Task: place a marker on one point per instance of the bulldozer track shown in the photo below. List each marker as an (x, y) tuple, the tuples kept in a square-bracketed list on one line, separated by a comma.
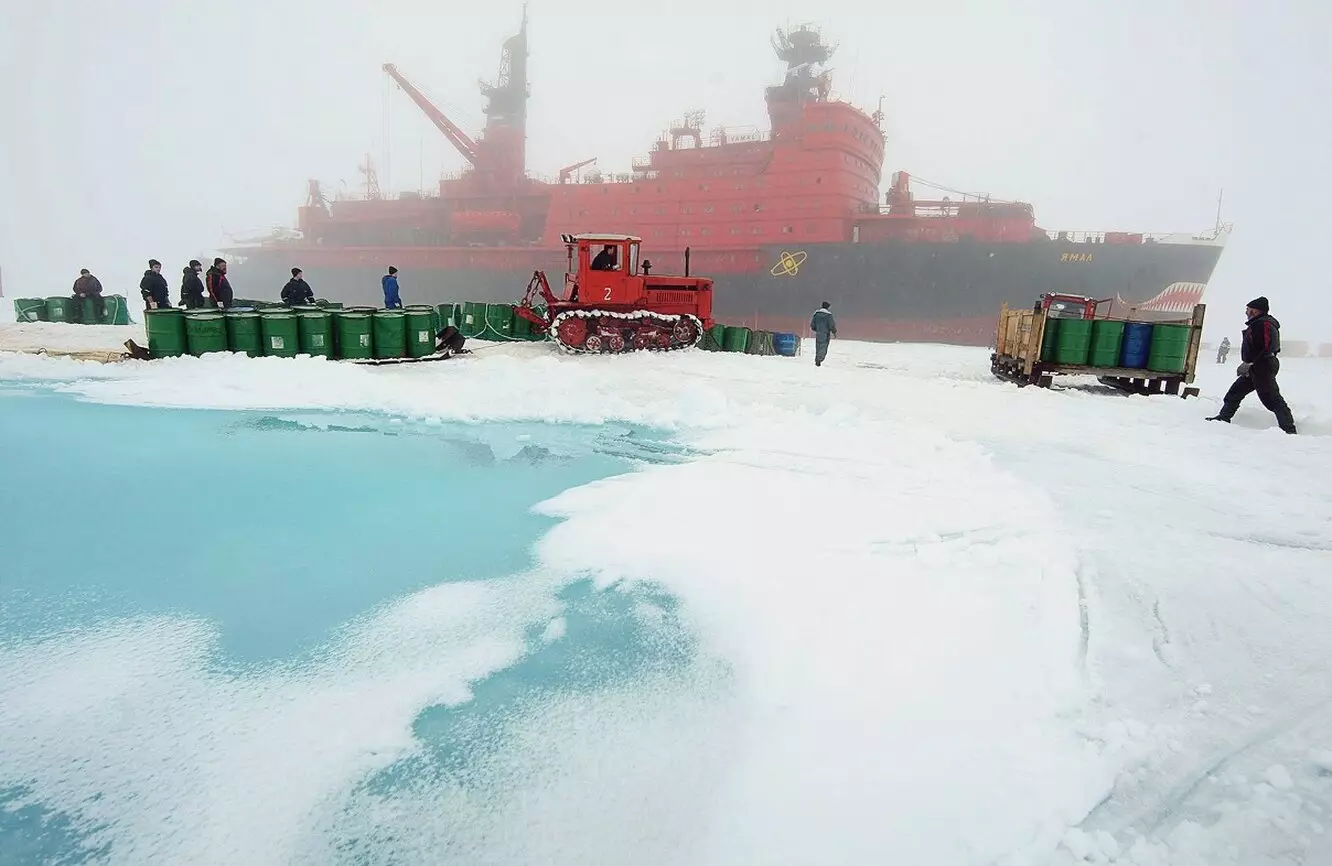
[(598, 344)]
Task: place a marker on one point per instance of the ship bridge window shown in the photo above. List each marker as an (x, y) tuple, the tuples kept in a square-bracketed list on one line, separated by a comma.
[(707, 208), (786, 230)]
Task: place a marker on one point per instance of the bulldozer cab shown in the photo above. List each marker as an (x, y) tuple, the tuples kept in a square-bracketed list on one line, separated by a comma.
[(605, 270)]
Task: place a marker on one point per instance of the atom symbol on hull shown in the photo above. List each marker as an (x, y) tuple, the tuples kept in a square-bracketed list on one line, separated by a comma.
[(788, 264)]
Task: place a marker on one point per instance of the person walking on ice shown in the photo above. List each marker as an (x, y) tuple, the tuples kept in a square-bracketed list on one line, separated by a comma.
[(1223, 350), (824, 327), (1259, 347)]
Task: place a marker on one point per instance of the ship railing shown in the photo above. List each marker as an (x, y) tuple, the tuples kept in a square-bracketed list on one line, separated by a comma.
[(1216, 236)]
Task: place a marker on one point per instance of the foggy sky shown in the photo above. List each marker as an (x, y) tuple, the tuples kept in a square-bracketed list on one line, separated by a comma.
[(147, 128)]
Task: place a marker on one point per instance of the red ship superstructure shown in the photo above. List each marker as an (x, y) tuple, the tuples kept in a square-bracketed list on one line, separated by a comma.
[(783, 219)]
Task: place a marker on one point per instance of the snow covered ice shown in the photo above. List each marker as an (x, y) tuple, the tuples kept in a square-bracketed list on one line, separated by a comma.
[(935, 619)]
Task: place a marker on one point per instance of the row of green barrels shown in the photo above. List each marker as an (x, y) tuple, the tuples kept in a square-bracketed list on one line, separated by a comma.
[(1160, 347), (476, 320), (733, 338), (63, 309), (328, 331)]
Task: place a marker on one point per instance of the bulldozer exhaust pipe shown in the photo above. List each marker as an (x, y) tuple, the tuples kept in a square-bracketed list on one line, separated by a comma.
[(686, 261)]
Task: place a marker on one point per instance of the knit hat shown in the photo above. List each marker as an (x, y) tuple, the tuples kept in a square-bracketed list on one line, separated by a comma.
[(194, 263), (219, 261), (154, 263), (83, 270), (392, 270), (1259, 303), (295, 272)]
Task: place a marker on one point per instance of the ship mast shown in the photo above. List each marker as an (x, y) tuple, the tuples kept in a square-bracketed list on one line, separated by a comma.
[(803, 50)]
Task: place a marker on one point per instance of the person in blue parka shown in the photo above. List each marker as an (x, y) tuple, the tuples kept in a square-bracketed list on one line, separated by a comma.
[(390, 283)]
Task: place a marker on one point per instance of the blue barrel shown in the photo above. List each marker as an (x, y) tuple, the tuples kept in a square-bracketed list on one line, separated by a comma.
[(1137, 345), (785, 344)]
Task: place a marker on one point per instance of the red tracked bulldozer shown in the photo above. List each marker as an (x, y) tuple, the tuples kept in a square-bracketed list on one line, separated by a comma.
[(612, 303)]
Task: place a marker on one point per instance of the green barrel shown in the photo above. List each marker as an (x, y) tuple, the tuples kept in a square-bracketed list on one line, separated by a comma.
[(280, 332), (88, 312), (116, 311), (166, 332), (1073, 342), (57, 309), (499, 322), (1170, 348), (1048, 340), (205, 331), (448, 316), (522, 329), (534, 333), (355, 338), (760, 343), (714, 338), (244, 333), (420, 330), (1107, 338), (390, 329), (736, 340), (428, 309), (328, 305), (30, 309), (473, 322), (315, 330)]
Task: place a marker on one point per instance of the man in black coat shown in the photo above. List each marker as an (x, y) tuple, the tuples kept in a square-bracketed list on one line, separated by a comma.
[(87, 286), (156, 293), (191, 286), (1259, 348), (219, 289), (297, 291)]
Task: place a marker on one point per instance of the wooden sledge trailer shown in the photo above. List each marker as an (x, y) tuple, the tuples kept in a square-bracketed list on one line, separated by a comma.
[(1021, 338)]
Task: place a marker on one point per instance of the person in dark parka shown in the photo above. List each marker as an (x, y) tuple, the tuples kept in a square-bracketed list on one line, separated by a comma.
[(156, 293), (1259, 347), (87, 286), (191, 286), (824, 327), (297, 291), (219, 289)]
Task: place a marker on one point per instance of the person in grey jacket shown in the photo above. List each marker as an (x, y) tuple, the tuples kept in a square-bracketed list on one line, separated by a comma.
[(824, 327)]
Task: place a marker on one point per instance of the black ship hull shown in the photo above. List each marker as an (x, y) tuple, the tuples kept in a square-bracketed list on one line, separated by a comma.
[(883, 291)]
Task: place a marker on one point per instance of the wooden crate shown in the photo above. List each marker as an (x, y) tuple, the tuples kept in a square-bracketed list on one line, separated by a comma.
[(1017, 357)]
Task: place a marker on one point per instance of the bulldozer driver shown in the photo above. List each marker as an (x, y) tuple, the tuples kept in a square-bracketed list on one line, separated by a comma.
[(605, 260)]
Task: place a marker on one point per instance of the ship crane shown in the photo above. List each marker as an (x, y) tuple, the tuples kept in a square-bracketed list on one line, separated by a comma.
[(456, 136), (567, 172)]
